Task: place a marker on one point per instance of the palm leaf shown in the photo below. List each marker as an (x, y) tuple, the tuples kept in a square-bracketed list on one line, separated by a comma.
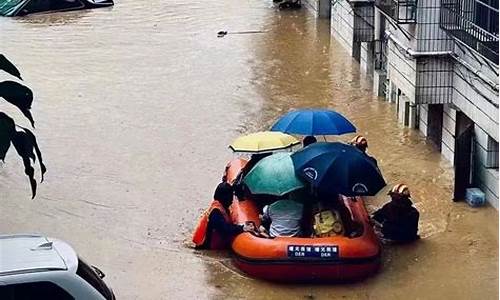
[(9, 67), (21, 143), (18, 95), (7, 131)]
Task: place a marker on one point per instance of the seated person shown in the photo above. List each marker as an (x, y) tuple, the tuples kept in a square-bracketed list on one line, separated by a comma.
[(398, 219), (215, 229), (283, 218), (326, 221), (340, 214)]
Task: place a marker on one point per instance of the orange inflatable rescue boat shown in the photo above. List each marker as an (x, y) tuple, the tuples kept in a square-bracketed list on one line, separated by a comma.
[(288, 259)]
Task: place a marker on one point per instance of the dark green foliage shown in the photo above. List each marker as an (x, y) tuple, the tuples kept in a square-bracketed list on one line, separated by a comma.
[(7, 131), (8, 67), (23, 139), (18, 95)]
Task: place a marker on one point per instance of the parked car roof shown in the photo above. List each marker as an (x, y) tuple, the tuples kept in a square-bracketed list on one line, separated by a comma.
[(24, 253), (11, 8)]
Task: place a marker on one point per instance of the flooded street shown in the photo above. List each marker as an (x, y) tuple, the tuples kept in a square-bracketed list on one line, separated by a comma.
[(135, 106)]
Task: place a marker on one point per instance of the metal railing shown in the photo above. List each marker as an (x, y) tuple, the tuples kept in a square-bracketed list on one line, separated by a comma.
[(380, 55), (363, 21), (474, 23), (401, 11)]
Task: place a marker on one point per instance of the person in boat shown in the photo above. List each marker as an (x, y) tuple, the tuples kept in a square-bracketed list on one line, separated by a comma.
[(290, 4), (398, 218), (308, 140), (215, 229), (332, 213), (239, 187), (361, 143), (282, 218)]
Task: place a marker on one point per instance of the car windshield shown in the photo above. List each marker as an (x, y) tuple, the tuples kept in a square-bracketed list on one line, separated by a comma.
[(90, 275), (7, 5)]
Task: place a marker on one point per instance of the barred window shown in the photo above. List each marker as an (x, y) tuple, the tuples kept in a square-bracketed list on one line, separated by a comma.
[(492, 154)]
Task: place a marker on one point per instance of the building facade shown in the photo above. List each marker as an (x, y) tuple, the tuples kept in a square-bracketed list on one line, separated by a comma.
[(437, 61)]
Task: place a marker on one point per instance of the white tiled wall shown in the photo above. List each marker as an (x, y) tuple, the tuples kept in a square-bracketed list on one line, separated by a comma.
[(342, 23)]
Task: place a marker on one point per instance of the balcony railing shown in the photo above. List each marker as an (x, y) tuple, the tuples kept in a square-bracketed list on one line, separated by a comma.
[(401, 11), (363, 21), (380, 51), (473, 22)]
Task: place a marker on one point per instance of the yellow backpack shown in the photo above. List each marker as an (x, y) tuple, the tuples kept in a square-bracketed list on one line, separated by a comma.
[(327, 223)]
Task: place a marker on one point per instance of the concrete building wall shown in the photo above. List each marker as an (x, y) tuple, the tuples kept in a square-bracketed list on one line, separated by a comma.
[(476, 90), (424, 119), (401, 70), (448, 133), (312, 5), (476, 95), (366, 57), (429, 37), (485, 176), (420, 70), (342, 24)]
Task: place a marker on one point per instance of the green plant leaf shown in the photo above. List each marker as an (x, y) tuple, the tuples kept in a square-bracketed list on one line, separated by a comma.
[(9, 67), (31, 144), (7, 131), (21, 143), (18, 95)]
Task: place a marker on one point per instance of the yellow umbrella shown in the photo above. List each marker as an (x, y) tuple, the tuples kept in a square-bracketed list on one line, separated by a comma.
[(264, 141)]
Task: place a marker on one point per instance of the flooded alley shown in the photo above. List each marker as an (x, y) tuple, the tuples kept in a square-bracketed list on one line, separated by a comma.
[(135, 107)]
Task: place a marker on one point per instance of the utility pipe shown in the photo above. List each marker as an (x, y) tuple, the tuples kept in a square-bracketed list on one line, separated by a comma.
[(412, 52), (468, 66)]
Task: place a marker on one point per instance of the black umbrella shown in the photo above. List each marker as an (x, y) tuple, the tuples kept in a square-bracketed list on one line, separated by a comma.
[(337, 168)]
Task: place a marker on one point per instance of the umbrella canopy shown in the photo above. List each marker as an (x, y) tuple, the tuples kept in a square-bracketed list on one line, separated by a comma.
[(314, 122), (338, 168), (273, 175), (264, 141)]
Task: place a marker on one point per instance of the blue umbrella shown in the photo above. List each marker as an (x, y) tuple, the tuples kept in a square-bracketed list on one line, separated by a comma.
[(333, 168), (314, 122)]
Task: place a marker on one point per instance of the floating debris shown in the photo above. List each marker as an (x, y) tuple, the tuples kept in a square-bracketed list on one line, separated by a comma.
[(224, 33)]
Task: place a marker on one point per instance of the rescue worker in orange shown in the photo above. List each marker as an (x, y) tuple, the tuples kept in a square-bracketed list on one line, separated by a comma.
[(215, 229), (398, 219), (361, 143)]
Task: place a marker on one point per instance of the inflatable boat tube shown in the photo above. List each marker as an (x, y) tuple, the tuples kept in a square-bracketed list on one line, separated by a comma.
[(292, 259)]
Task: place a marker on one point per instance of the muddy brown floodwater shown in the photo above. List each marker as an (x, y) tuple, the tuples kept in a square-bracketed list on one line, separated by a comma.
[(135, 106)]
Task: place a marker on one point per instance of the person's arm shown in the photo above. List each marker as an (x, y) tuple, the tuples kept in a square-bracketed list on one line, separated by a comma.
[(265, 219), (380, 214), (218, 223)]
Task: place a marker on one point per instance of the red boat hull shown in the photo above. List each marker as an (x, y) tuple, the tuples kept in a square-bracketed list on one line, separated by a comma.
[(291, 259)]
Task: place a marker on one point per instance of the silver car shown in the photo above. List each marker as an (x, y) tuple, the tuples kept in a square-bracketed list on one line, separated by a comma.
[(12, 8), (38, 267)]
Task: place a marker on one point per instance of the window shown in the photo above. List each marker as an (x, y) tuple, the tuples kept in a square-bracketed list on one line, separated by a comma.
[(35, 6), (486, 15), (43, 290), (492, 154), (93, 276)]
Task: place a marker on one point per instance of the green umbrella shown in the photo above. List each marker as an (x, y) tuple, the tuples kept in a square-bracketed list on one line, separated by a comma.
[(273, 175)]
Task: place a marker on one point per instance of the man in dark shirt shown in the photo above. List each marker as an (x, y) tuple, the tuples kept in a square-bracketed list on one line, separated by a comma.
[(398, 218), (215, 229)]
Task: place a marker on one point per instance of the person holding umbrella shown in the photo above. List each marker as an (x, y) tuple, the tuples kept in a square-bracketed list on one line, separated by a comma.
[(398, 219), (215, 229)]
